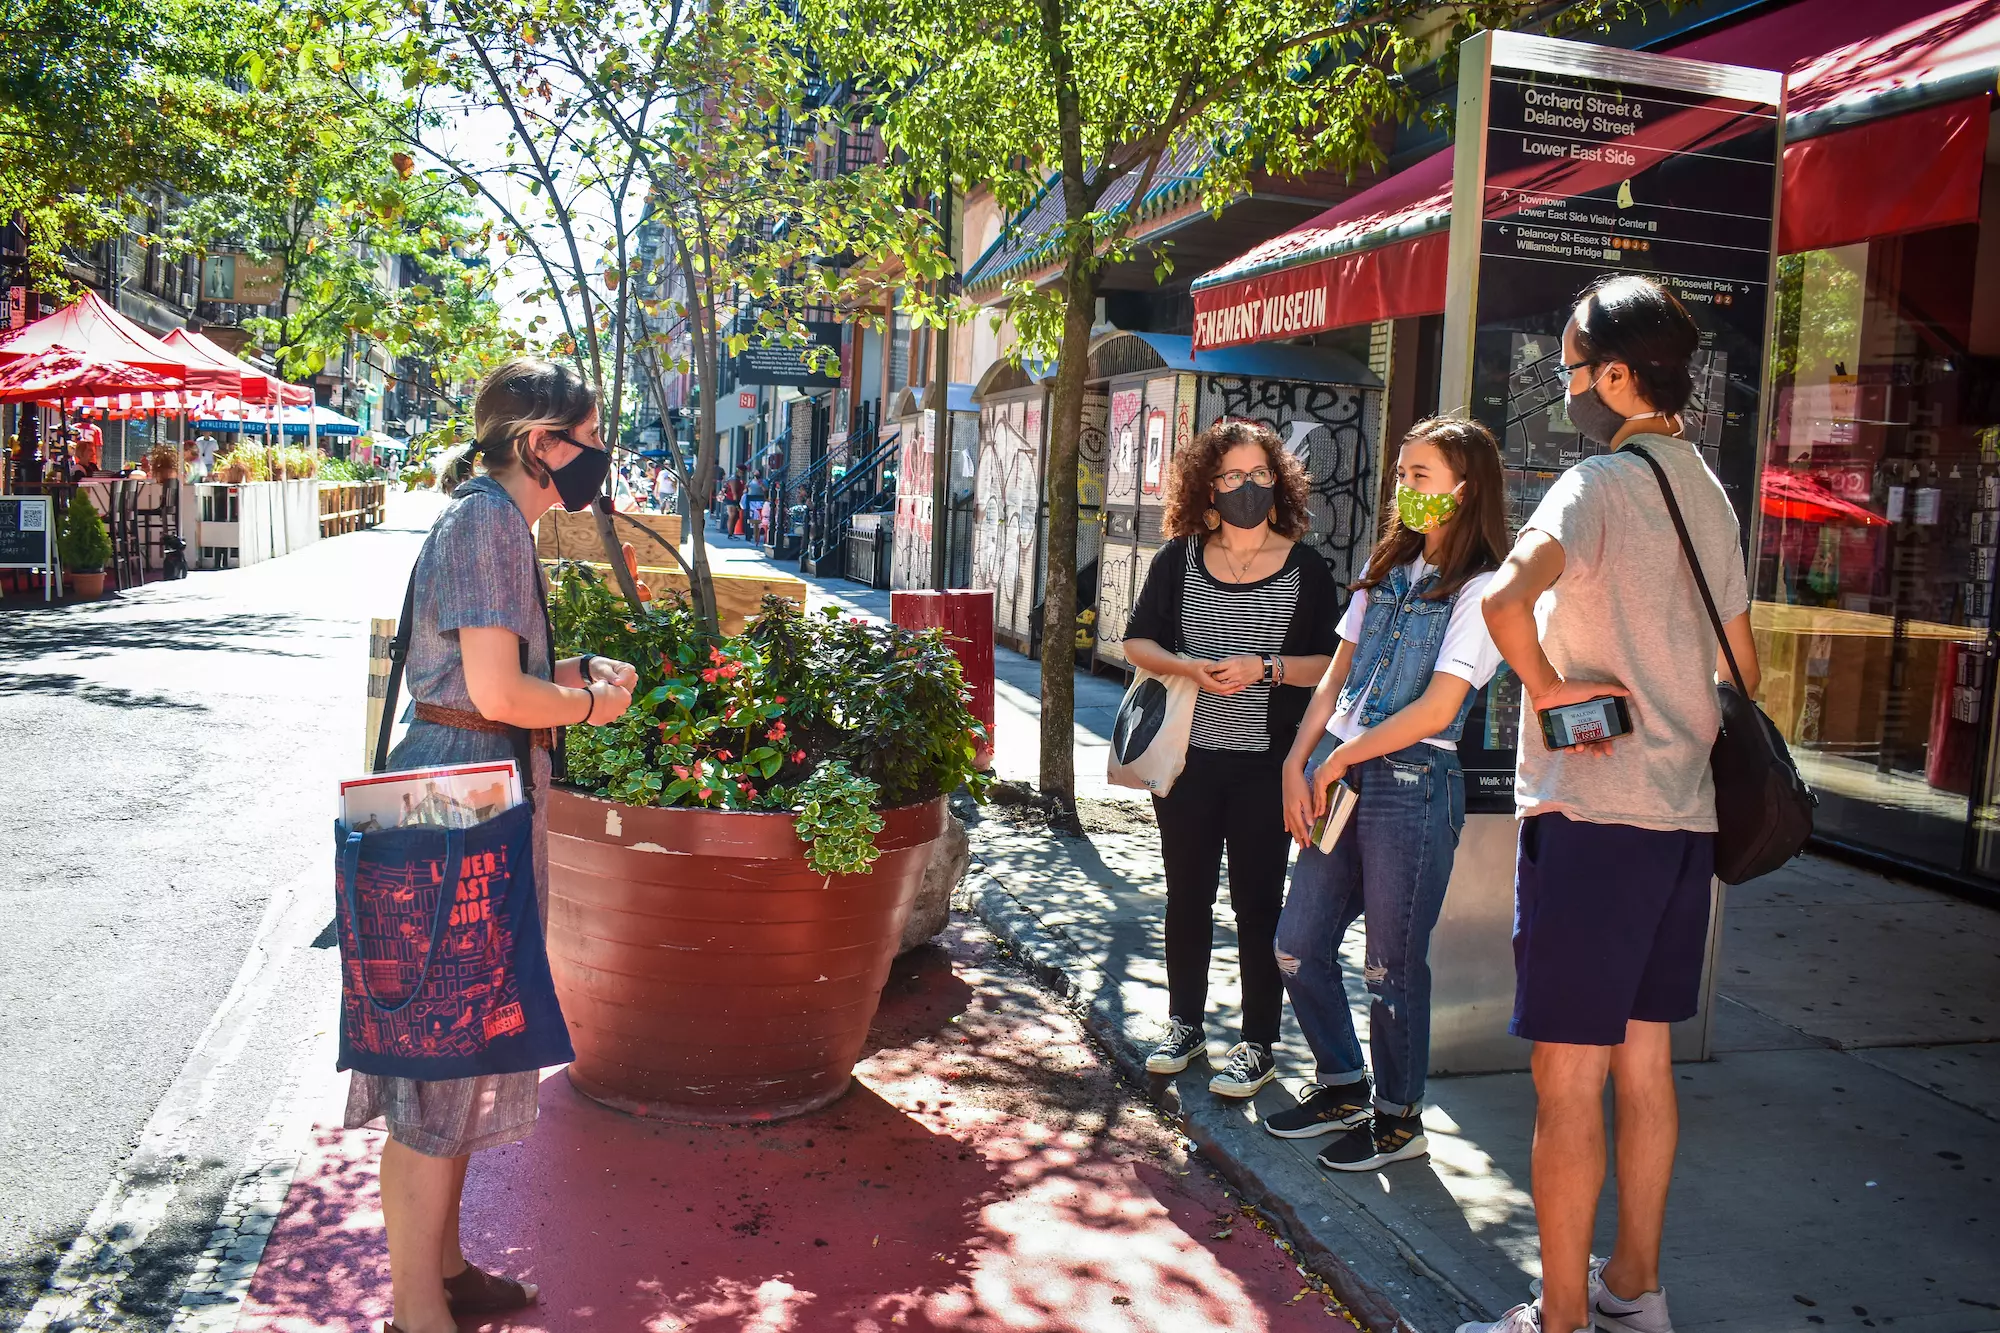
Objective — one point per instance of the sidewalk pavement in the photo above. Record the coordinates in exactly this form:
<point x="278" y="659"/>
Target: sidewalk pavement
<point x="1838" y="1155"/>
<point x="986" y="1173"/>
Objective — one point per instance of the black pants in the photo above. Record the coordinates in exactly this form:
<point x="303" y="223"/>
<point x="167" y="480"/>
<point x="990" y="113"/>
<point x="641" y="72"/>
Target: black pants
<point x="1233" y="802"/>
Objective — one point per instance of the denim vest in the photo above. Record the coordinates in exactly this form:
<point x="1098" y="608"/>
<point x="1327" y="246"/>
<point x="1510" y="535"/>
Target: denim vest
<point x="1401" y="633"/>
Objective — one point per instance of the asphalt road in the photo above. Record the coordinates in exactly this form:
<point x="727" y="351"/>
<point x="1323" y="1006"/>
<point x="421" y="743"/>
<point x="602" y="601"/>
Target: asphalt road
<point x="167" y="769"/>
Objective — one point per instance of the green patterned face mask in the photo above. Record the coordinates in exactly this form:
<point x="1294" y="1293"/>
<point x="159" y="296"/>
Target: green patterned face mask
<point x="1421" y="512"/>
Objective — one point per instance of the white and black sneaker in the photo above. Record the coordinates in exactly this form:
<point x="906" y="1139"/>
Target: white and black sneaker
<point x="1321" y="1110"/>
<point x="1250" y="1067"/>
<point x="1178" y="1047"/>
<point x="1390" y="1138"/>
<point x="1647" y="1314"/>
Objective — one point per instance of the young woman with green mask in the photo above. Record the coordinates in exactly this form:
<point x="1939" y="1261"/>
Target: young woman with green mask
<point x="1413" y="650"/>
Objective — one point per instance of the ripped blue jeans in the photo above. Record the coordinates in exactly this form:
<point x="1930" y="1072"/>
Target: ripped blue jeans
<point x="1391" y="865"/>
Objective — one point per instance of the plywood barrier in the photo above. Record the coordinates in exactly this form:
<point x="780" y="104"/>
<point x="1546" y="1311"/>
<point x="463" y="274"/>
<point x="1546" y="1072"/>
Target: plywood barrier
<point x="563" y="535"/>
<point x="738" y="597"/>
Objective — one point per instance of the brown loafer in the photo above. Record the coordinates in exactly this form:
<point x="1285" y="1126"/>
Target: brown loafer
<point x="478" y="1292"/>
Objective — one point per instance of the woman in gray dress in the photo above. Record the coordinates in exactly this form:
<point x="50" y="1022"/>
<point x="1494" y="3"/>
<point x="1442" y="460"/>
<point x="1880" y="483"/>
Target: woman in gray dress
<point x="480" y="597"/>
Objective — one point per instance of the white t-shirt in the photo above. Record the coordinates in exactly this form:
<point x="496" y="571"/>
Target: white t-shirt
<point x="1467" y="651"/>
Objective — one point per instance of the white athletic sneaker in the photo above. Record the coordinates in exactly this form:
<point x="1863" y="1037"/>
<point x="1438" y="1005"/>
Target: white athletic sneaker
<point x="1648" y="1314"/>
<point x="1521" y="1319"/>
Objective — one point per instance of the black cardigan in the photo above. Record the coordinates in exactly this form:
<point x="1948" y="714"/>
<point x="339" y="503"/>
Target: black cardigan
<point x="1314" y="631"/>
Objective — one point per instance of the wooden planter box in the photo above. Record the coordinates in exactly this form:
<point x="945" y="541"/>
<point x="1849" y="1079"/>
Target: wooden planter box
<point x="562" y="535"/>
<point x="707" y="972"/>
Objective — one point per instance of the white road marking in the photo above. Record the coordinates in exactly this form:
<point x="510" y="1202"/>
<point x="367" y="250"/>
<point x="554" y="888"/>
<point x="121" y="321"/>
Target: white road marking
<point x="82" y="1294"/>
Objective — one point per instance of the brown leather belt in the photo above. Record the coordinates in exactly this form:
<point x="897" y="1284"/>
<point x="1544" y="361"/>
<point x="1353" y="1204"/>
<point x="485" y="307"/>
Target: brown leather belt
<point x="542" y="738"/>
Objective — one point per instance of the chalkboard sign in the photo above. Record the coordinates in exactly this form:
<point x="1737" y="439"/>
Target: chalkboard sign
<point x="25" y="537"/>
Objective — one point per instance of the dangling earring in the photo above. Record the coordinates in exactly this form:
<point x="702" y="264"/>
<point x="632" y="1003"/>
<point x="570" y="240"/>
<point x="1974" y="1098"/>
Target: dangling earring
<point x="1211" y="519"/>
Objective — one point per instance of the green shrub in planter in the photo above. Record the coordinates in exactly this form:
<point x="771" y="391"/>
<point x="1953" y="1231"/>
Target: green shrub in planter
<point x="83" y="545"/>
<point x="825" y="718"/>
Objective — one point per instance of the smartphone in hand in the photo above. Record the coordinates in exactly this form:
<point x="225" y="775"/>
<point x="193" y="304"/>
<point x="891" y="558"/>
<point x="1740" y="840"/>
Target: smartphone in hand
<point x="1585" y="723"/>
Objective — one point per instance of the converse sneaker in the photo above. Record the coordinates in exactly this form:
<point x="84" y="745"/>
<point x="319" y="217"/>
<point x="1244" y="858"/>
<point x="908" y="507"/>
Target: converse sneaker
<point x="1178" y="1047"/>
<point x="1391" y="1138"/>
<point x="1647" y="1314"/>
<point x="1250" y="1068"/>
<point x="1520" y="1319"/>
<point x="1321" y="1110"/>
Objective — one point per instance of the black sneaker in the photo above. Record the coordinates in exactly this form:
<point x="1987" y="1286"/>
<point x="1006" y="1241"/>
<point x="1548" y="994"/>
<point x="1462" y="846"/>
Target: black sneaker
<point x="1178" y="1047"/>
<point x="1391" y="1138"/>
<point x="1250" y="1068"/>
<point x="1321" y="1110"/>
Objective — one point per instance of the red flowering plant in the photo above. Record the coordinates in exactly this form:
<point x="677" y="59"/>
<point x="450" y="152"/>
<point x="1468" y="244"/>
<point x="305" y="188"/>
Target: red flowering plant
<point x="826" y="718"/>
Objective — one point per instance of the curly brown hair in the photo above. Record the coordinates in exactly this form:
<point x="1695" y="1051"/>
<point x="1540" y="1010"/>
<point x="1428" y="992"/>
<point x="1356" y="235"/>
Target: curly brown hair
<point x="1194" y="469"/>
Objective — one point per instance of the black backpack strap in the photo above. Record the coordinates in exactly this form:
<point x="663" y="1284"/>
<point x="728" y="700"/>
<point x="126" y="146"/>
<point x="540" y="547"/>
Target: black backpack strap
<point x="399" y="652"/>
<point x="1694" y="563"/>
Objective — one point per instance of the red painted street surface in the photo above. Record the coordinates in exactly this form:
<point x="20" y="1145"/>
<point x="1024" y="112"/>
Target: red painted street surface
<point x="986" y="1172"/>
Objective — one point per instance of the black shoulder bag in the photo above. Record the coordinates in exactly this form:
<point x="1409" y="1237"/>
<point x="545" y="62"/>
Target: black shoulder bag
<point x="1763" y="808"/>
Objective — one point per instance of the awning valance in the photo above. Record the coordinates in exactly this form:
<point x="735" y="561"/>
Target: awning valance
<point x="1882" y="138"/>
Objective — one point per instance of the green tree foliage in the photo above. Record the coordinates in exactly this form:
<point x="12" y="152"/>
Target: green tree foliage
<point x="649" y="168"/>
<point x="1080" y="95"/>
<point x="101" y="97"/>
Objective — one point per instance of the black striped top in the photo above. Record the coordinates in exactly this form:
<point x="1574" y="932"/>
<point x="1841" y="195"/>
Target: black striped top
<point x="1229" y="620"/>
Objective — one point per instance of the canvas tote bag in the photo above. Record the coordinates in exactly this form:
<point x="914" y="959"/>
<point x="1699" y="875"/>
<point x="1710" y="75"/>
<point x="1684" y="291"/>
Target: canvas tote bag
<point x="1149" y="739"/>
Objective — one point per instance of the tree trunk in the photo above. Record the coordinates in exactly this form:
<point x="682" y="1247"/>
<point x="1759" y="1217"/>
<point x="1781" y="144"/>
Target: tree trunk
<point x="1058" y="779"/>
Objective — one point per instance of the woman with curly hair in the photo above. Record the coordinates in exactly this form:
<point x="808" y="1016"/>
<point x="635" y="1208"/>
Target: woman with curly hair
<point x="1236" y="603"/>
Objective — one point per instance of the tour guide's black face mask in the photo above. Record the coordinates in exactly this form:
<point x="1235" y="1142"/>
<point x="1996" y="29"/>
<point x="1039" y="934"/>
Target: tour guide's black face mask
<point x="1247" y="506"/>
<point x="580" y="480"/>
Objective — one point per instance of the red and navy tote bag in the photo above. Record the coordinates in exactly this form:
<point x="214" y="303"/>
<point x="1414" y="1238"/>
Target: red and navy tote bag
<point x="444" y="973"/>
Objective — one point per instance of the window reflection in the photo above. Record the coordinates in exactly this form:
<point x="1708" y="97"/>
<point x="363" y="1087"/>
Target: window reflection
<point x="1879" y="509"/>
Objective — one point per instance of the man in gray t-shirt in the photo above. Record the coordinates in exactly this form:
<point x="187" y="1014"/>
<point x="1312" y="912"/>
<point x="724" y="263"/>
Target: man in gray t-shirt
<point x="1613" y="877"/>
<point x="1626" y="610"/>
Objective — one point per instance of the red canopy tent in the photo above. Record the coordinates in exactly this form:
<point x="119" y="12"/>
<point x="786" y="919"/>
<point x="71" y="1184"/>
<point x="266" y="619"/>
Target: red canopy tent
<point x="257" y="384"/>
<point x="95" y="329"/>
<point x="59" y="374"/>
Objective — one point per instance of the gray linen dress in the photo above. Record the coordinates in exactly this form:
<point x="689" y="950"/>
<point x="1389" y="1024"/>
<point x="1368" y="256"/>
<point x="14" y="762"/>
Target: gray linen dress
<point x="477" y="569"/>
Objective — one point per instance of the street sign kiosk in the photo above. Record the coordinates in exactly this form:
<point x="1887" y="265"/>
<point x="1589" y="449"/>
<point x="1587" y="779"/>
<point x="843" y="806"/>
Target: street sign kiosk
<point x="1573" y="162"/>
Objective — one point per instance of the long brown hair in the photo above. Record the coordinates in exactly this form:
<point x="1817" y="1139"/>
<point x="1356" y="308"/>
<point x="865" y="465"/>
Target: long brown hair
<point x="1194" y="472"/>
<point x="1475" y="540"/>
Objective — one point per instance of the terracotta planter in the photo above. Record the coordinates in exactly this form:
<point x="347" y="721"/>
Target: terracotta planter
<point x="89" y="586"/>
<point x="708" y="973"/>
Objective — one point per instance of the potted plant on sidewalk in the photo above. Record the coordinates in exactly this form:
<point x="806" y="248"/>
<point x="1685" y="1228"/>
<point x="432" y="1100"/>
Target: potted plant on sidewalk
<point x="732" y="863"/>
<point x="84" y="547"/>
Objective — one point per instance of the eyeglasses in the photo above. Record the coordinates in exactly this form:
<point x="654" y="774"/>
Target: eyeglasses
<point x="1235" y="477"/>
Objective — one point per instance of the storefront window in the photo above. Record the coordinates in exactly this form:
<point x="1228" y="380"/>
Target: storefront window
<point x="1879" y="509"/>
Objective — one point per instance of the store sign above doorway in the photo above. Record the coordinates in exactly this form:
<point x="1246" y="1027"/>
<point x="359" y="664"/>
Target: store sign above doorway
<point x="779" y="364"/>
<point x="238" y="277"/>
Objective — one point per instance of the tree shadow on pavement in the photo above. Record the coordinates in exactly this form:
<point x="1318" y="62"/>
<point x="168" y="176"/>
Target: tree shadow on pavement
<point x="91" y="692"/>
<point x="985" y="1172"/>
<point x="92" y="636"/>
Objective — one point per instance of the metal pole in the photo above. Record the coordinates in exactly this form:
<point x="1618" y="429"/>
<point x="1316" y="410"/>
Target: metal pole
<point x="941" y="425"/>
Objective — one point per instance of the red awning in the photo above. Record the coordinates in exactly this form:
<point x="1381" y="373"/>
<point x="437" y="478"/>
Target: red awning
<point x="1867" y="170"/>
<point x="62" y="374"/>
<point x="256" y="384"/>
<point x="95" y="329"/>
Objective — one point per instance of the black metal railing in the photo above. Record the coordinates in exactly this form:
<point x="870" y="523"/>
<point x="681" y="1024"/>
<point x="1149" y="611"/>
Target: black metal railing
<point x="848" y="481"/>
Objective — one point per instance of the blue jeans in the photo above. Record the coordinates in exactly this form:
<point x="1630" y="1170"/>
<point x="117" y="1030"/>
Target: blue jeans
<point x="1392" y="864"/>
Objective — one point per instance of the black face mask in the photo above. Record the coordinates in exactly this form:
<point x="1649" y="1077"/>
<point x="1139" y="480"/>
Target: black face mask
<point x="580" y="480"/>
<point x="1247" y="506"/>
